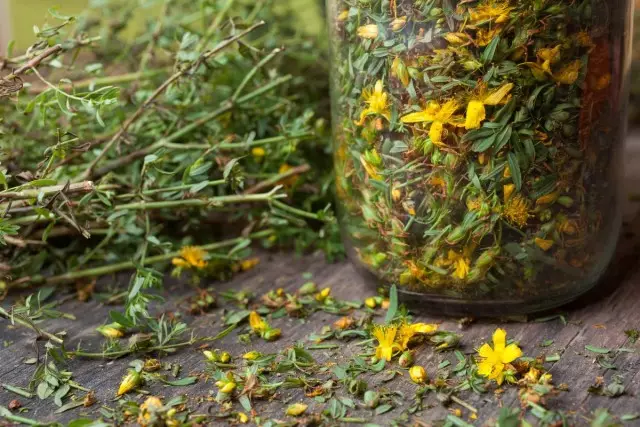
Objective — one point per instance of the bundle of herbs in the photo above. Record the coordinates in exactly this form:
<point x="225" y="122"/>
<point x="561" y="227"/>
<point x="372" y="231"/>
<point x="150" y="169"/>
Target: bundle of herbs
<point x="477" y="142"/>
<point x="180" y="141"/>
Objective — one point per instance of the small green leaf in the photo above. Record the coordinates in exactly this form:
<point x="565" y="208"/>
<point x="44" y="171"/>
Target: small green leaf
<point x="514" y="166"/>
<point x="393" y="304"/>
<point x="599" y="350"/>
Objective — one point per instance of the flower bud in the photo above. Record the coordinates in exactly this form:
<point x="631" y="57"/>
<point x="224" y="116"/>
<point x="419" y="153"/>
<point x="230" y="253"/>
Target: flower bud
<point x="151" y="365"/>
<point x="406" y="359"/>
<point x="225" y="357"/>
<point x="252" y="355"/>
<point x="243" y="418"/>
<point x="112" y="330"/>
<point x="418" y="374"/>
<point x="308" y="288"/>
<point x="357" y="387"/>
<point x="272" y="334"/>
<point x="296" y="409"/>
<point x="370" y="302"/>
<point x="371" y="399"/>
<point x="210" y="355"/>
<point x="398" y="23"/>
<point x="130" y="382"/>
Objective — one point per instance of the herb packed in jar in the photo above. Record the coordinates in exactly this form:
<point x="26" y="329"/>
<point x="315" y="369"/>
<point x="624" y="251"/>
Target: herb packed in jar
<point x="478" y="145"/>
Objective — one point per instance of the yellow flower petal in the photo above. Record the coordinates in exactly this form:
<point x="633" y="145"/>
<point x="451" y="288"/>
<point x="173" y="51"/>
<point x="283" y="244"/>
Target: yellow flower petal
<point x="447" y="111"/>
<point x="418" y="117"/>
<point x="543" y="244"/>
<point x="499" y="340"/>
<point x="511" y="353"/>
<point x="485" y="368"/>
<point x="508" y="191"/>
<point x="424" y="328"/>
<point x="496" y="97"/>
<point x="475" y="115"/>
<point x="368" y="31"/>
<point x="569" y="73"/>
<point x="485" y="351"/>
<point x="436" y="131"/>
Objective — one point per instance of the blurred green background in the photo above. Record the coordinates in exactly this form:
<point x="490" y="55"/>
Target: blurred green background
<point x="22" y="15"/>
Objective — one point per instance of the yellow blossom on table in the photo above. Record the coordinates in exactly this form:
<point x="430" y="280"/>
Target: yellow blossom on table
<point x="249" y="263"/>
<point x="243" y="418"/>
<point x="257" y="323"/>
<point x="377" y="101"/>
<point x="227" y="384"/>
<point x="252" y="355"/>
<point x="296" y="409"/>
<point x="343" y="323"/>
<point x="408" y="331"/>
<point x="493" y="361"/>
<point x="516" y="210"/>
<point x="149" y="407"/>
<point x="191" y="257"/>
<point x="386" y="336"/>
<point x="112" y="330"/>
<point x="418" y="374"/>
<point x="369" y="31"/>
<point x="323" y="294"/>
<point x="439" y="116"/>
<point x="476" y="112"/>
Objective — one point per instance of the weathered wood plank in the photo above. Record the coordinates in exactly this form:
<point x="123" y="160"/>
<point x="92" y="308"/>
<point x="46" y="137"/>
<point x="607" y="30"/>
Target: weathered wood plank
<point x="576" y="366"/>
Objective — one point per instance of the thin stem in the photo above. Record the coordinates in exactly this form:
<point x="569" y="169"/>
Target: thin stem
<point x="79" y="187"/>
<point x="298" y="170"/>
<point x="174" y="188"/>
<point x="34" y="62"/>
<point x="140" y="111"/>
<point x="253" y="71"/>
<point x="126" y="265"/>
<point x="299" y="212"/>
<point x="212" y="201"/>
<point x="105" y="81"/>
<point x="28" y="324"/>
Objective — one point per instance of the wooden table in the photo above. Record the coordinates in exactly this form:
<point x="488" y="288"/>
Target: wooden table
<point x="600" y="324"/>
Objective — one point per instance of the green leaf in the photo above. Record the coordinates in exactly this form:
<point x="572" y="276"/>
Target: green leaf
<point x="599" y="350"/>
<point x="490" y="50"/>
<point x="383" y="408"/>
<point x="484" y="144"/>
<point x="182" y="381"/>
<point x="393" y="304"/>
<point x="514" y="166"/>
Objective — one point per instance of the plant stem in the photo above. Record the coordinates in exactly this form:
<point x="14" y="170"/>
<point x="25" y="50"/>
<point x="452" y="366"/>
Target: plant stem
<point x="34" y="62"/>
<point x="174" y="188"/>
<point x="298" y="170"/>
<point x="212" y="201"/>
<point x="79" y="187"/>
<point x="227" y="106"/>
<point x="104" y="81"/>
<point x="126" y="265"/>
<point x="8" y="415"/>
<point x="140" y="111"/>
<point x="28" y="324"/>
<point x="299" y="212"/>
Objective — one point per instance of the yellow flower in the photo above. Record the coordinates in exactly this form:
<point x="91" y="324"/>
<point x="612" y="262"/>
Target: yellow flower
<point x="249" y="263"/>
<point x="498" y="12"/>
<point x="398" y="23"/>
<point x="227" y="384"/>
<point x="323" y="294"/>
<point x="386" y="336"/>
<point x="191" y="256"/>
<point x="243" y="418"/>
<point x="438" y="115"/>
<point x="257" y="323"/>
<point x="508" y="191"/>
<point x="569" y="73"/>
<point x="130" y="381"/>
<point x="290" y="181"/>
<point x="516" y="210"/>
<point x="543" y="244"/>
<point x="408" y="331"/>
<point x="418" y="374"/>
<point x="296" y="409"/>
<point x="377" y="102"/>
<point x="493" y="360"/>
<point x="258" y="152"/>
<point x="476" y="112"/>
<point x="150" y="407"/>
<point x="370" y="302"/>
<point x="461" y="268"/>
<point x="368" y="31"/>
<point x="343" y="15"/>
<point x="484" y="36"/>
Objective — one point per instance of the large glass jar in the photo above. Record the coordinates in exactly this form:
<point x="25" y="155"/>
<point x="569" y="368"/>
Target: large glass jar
<point x="478" y="146"/>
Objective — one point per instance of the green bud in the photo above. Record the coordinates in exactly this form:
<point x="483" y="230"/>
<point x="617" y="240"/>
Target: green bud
<point x="406" y="359"/>
<point x="456" y="235"/>
<point x="272" y="334"/>
<point x="435" y="11"/>
<point x="371" y="399"/>
<point x="565" y="201"/>
<point x="308" y="289"/>
<point x="486" y="258"/>
<point x="357" y="387"/>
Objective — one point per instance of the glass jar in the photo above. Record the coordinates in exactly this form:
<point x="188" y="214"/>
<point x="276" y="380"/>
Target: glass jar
<point x="478" y="146"/>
